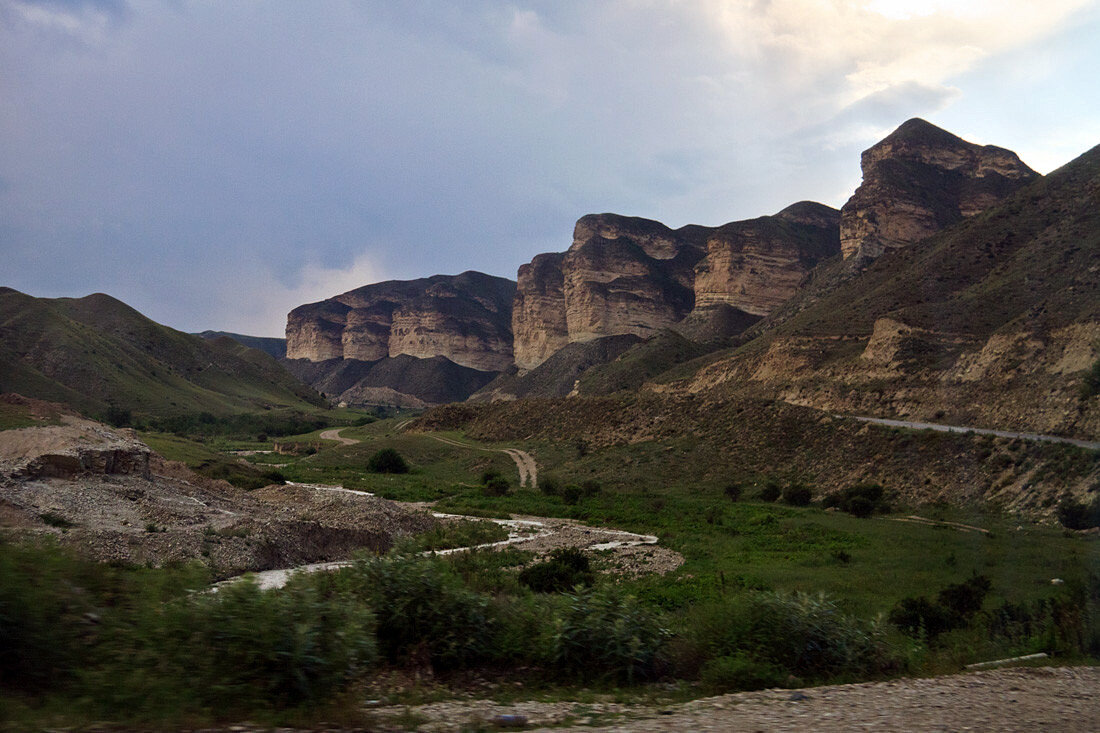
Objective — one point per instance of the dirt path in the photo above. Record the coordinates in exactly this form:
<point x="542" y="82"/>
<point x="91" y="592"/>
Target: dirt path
<point x="528" y="470"/>
<point x="1023" y="699"/>
<point x="334" y="434"/>
<point x="1090" y="445"/>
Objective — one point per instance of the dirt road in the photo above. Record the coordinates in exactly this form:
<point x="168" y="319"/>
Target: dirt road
<point x="1090" y="445"/>
<point x="334" y="434"/>
<point x="528" y="470"/>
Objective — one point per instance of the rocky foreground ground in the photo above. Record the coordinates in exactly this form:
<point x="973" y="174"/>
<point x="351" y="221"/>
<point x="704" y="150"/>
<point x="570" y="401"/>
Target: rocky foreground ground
<point x="1025" y="699"/>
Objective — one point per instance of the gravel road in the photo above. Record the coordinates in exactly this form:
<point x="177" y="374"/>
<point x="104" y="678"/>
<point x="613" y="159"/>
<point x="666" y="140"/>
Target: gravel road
<point x="1090" y="445"/>
<point x="1023" y="699"/>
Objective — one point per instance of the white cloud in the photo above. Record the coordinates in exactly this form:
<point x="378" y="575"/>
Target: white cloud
<point x="258" y="305"/>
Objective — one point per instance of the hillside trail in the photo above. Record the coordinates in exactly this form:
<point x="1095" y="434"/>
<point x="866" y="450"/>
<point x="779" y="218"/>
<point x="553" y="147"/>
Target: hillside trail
<point x="1039" y="437"/>
<point x="334" y="434"/>
<point x="525" y="464"/>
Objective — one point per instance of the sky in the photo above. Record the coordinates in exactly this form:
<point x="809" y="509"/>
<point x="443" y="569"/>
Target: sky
<point x="215" y="164"/>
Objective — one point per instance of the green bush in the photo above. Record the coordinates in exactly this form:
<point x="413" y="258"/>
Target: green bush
<point x="953" y="608"/>
<point x="43" y="622"/>
<point x="1077" y="515"/>
<point x="1090" y="385"/>
<point x="797" y="495"/>
<point x="488" y="475"/>
<point x="387" y="460"/>
<point x="740" y="672"/>
<point x="860" y="500"/>
<point x="605" y="634"/>
<point x="566" y="568"/>
<point x="572" y="494"/>
<point x="770" y="492"/>
<point x="590" y="487"/>
<point x="802" y="635"/>
<point x="497" y="486"/>
<point x="732" y="491"/>
<point x="549" y="486"/>
<point x="424" y="612"/>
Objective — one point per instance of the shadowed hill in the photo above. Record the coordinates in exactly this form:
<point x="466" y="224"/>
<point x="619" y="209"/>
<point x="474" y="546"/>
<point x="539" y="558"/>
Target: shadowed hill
<point x="97" y="352"/>
<point x="992" y="322"/>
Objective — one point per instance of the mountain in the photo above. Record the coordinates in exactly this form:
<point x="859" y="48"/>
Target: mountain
<point x="273" y="347"/>
<point x="993" y="321"/>
<point x="632" y="276"/>
<point x="919" y="180"/>
<point x="405" y="342"/>
<point x="465" y="318"/>
<point x="97" y="352"/>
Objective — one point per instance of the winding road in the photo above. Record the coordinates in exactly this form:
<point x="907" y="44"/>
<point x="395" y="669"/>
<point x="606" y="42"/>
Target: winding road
<point x="334" y="434"/>
<point x="1090" y="445"/>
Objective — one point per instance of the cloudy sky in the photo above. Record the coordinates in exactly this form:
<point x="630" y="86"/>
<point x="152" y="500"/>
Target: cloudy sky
<point x="215" y="164"/>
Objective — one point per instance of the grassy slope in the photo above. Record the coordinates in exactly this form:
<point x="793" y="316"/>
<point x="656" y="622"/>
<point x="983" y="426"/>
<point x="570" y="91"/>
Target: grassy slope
<point x="728" y="546"/>
<point x="95" y="351"/>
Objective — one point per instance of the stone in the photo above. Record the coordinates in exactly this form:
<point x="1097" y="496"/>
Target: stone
<point x="919" y="180"/>
<point x="465" y="318"/>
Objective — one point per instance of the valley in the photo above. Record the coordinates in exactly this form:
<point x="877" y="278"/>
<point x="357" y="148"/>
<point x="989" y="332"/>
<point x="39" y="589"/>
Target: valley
<point x="836" y="450"/>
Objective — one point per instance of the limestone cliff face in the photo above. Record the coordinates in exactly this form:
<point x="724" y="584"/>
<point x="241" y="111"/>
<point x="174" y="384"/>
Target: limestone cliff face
<point x="625" y="275"/>
<point x="755" y="265"/>
<point x="630" y="276"/>
<point x="465" y="318"/>
<point x="538" y="311"/>
<point x="919" y="180"/>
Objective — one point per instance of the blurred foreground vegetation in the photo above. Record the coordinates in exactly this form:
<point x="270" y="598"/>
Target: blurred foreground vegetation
<point x="81" y="641"/>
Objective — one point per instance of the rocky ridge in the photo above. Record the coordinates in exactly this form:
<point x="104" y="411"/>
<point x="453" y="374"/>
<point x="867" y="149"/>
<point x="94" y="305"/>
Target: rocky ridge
<point x="919" y="180"/>
<point x="632" y="276"/>
<point x="465" y="318"/>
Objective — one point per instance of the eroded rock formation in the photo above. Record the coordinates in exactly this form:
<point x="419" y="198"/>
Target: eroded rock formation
<point x="625" y="275"/>
<point x="919" y="180"/>
<point x="465" y="318"/>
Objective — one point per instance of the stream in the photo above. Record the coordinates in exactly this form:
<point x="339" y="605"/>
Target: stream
<point x="519" y="530"/>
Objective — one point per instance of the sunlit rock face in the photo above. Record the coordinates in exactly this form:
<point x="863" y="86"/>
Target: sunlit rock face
<point x="919" y="180"/>
<point x="756" y="265"/>
<point x="465" y="318"/>
<point x="626" y="275"/>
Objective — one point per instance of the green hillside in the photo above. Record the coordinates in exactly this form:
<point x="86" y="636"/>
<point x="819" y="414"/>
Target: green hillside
<point x="97" y="352"/>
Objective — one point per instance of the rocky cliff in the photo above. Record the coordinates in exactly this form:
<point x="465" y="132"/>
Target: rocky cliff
<point x="919" y="180"/>
<point x="755" y="265"/>
<point x="465" y="318"/>
<point x="626" y="275"/>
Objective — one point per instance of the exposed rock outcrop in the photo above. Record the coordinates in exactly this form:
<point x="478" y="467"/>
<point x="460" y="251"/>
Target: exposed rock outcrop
<point x="632" y="276"/>
<point x="75" y="447"/>
<point x="756" y="265"/>
<point x="919" y="180"/>
<point x="465" y="318"/>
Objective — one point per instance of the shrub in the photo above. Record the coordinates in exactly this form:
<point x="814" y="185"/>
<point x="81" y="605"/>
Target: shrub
<point x="797" y="495"/>
<point x="916" y="616"/>
<point x="953" y="608"/>
<point x="489" y="474"/>
<point x="566" y="568"/>
<point x="387" y="460"/>
<point x="732" y="491"/>
<point x="804" y="635"/>
<point x="42" y="637"/>
<point x="1090" y="385"/>
<point x="497" y="486"/>
<point x="549" y="486"/>
<point x="424" y="612"/>
<point x="770" y="492"/>
<point x="590" y="487"/>
<point x="740" y="672"/>
<point x="571" y="494"/>
<point x="607" y="634"/>
<point x="860" y="500"/>
<point x="810" y="636"/>
<point x="1077" y="515"/>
